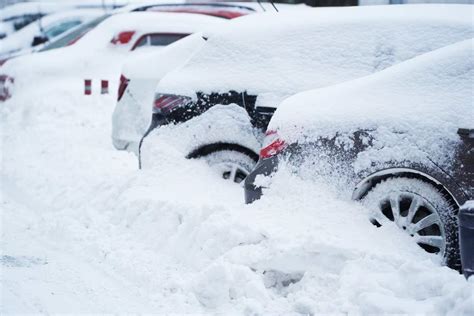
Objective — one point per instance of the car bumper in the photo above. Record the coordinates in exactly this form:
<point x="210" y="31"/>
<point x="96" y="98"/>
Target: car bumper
<point x="264" y="167"/>
<point x="466" y="237"/>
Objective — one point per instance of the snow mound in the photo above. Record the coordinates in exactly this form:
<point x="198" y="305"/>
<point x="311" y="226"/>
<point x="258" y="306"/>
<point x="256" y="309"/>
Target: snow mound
<point x="85" y="231"/>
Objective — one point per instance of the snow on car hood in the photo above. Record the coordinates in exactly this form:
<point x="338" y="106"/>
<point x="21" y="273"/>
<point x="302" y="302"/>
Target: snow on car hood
<point x="414" y="108"/>
<point x="287" y="52"/>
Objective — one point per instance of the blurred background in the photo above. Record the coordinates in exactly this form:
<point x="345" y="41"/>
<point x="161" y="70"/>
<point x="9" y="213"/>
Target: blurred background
<point x="315" y="3"/>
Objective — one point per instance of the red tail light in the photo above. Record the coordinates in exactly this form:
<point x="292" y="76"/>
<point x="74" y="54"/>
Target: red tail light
<point x="122" y="86"/>
<point x="165" y="103"/>
<point x="122" y="38"/>
<point x="272" y="145"/>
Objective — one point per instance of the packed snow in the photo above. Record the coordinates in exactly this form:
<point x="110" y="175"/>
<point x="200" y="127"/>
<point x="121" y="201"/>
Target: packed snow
<point x="83" y="230"/>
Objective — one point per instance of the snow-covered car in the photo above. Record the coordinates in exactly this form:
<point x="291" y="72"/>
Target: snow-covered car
<point x="45" y="29"/>
<point x="218" y="104"/>
<point x="99" y="54"/>
<point x="141" y="74"/>
<point x="401" y="141"/>
<point x="16" y="16"/>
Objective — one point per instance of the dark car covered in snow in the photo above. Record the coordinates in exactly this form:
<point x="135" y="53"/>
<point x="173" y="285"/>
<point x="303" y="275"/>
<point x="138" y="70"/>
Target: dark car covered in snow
<point x="401" y="141"/>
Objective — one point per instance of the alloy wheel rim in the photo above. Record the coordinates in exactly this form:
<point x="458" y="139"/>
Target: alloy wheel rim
<point x="231" y="171"/>
<point x="415" y="216"/>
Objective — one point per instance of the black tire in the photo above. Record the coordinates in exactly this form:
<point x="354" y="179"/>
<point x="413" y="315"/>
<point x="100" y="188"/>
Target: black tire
<point x="232" y="165"/>
<point x="405" y="194"/>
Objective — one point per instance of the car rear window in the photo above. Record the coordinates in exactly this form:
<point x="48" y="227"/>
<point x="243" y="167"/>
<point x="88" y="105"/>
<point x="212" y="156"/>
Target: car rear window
<point x="158" y="39"/>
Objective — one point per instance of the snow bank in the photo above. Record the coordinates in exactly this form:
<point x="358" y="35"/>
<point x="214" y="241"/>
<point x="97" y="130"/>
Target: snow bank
<point x="84" y="231"/>
<point x="281" y="54"/>
<point x="411" y="109"/>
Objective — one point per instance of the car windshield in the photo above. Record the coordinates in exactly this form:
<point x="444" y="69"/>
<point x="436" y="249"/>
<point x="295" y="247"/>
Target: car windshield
<point x="60" y="28"/>
<point x="74" y="34"/>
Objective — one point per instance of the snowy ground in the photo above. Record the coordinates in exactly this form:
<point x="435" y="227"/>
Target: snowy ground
<point x="84" y="231"/>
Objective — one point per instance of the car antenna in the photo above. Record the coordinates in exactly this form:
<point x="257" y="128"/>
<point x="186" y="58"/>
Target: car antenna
<point x="261" y="6"/>
<point x="40" y="25"/>
<point x="273" y="5"/>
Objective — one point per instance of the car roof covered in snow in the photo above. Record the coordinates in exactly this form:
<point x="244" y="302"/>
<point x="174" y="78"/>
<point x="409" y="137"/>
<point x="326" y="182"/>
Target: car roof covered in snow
<point x="148" y="22"/>
<point x="154" y="63"/>
<point x="431" y="89"/>
<point x="298" y="50"/>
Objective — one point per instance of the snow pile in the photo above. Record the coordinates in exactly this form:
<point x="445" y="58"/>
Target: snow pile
<point x="85" y="231"/>
<point x="410" y="110"/>
<point x="276" y="55"/>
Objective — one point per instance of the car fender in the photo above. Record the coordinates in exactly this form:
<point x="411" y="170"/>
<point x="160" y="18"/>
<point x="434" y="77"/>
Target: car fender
<point x="428" y="172"/>
<point x="228" y="124"/>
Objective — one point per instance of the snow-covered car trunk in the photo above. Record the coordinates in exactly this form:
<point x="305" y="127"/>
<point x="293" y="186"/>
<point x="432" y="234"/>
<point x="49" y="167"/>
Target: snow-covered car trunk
<point x="141" y="74"/>
<point x="398" y="129"/>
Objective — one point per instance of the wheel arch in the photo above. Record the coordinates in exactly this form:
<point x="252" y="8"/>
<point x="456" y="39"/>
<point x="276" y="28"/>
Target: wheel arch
<point x="207" y="149"/>
<point x="366" y="184"/>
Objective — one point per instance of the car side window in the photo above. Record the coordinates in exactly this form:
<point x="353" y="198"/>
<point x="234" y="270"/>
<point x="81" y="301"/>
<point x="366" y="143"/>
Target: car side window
<point x="158" y="39"/>
<point x="62" y="27"/>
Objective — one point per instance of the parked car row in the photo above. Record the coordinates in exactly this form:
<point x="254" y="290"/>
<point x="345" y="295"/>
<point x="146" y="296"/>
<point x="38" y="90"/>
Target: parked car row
<point x="387" y="117"/>
<point x="381" y="109"/>
<point x="98" y="49"/>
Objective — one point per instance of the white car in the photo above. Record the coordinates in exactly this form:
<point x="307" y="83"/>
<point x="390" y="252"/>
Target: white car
<point x="43" y="30"/>
<point x="217" y="106"/>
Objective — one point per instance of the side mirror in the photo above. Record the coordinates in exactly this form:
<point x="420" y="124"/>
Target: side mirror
<point x="37" y="40"/>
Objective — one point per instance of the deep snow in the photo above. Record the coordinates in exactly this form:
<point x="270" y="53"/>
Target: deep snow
<point x="84" y="231"/>
<point x="276" y="55"/>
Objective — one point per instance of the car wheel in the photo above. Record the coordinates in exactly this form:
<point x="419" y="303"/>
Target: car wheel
<point x="419" y="209"/>
<point x="230" y="164"/>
